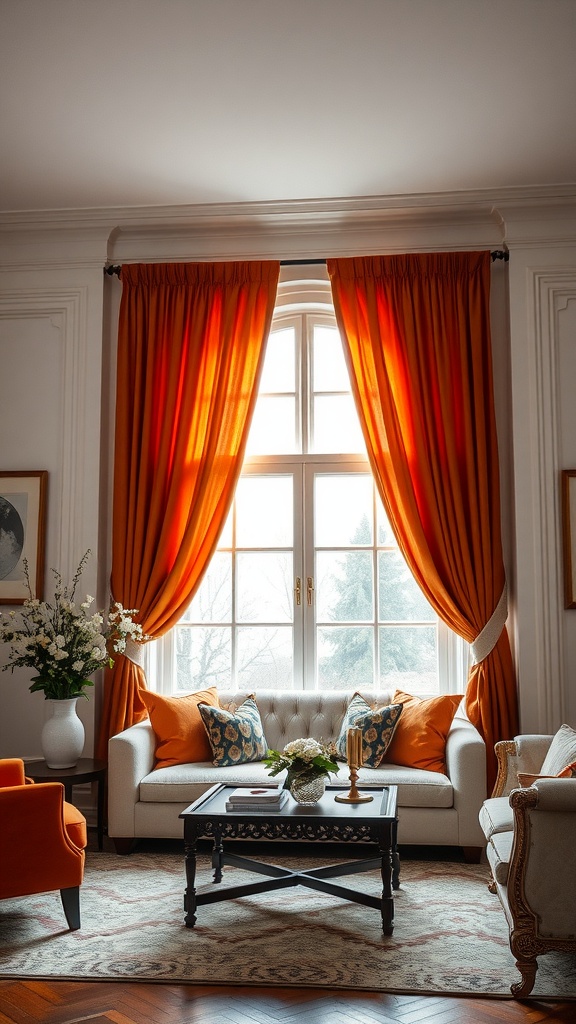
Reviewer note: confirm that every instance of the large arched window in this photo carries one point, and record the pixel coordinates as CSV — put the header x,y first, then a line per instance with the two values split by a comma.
x,y
308,588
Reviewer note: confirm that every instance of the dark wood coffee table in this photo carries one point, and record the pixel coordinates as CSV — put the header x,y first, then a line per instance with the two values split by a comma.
x,y
327,821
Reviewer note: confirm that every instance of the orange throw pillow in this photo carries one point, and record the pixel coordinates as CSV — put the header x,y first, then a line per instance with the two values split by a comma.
x,y
419,740
180,734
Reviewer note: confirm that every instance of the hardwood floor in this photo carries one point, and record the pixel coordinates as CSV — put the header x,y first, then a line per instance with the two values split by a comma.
x,y
140,1003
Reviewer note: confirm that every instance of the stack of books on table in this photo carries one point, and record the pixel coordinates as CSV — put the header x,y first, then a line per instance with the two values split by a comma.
x,y
257,798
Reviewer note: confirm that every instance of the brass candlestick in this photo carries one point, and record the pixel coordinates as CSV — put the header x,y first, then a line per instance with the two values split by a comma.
x,y
353,796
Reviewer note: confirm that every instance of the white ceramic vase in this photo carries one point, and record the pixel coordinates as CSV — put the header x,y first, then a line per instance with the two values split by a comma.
x,y
63,734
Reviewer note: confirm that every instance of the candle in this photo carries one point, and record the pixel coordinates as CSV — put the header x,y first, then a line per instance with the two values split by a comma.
x,y
359,750
350,746
354,747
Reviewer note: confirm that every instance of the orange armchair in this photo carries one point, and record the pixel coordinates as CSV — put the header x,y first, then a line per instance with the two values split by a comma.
x,y
42,840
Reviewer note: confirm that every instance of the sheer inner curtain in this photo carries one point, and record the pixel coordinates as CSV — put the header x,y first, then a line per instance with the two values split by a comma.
x,y
190,352
416,332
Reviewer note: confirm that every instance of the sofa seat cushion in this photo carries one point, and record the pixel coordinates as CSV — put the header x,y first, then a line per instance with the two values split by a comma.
x,y
496,815
170,785
498,852
416,788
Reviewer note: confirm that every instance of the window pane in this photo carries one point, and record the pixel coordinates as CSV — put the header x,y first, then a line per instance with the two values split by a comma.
x,y
265,658
203,657
336,425
264,512
225,539
384,530
344,586
329,370
279,370
409,658
213,600
264,587
345,657
273,430
343,509
400,597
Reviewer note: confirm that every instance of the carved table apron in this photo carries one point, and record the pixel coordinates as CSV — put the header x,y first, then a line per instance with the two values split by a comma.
x,y
327,821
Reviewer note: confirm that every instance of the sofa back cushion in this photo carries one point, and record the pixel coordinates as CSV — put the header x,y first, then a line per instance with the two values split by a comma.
x,y
293,714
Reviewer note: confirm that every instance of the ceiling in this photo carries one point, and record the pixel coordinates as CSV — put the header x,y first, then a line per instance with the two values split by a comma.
x,y
115,103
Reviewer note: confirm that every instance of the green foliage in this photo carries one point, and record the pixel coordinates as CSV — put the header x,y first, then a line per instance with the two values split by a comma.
x,y
305,759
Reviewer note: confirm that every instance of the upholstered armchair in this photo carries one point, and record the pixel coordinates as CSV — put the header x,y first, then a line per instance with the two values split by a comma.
x,y
530,827
42,840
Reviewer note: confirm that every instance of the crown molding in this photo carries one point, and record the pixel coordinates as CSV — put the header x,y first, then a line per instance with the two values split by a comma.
x,y
287,229
276,212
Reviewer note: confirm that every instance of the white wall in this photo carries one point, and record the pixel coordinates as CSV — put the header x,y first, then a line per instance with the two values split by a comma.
x,y
57,317
50,402
542,246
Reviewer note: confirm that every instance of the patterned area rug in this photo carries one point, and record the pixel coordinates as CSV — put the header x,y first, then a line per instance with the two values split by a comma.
x,y
449,933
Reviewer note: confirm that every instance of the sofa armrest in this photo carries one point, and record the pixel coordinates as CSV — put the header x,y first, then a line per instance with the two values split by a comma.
x,y
522,754
556,795
130,759
541,864
466,768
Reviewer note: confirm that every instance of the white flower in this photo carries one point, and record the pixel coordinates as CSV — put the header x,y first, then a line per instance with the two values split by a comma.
x,y
307,749
61,641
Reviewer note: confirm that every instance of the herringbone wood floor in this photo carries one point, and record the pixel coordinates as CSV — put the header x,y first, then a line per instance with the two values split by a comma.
x,y
140,1003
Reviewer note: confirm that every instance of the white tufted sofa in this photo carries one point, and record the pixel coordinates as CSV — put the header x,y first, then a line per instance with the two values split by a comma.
x,y
434,809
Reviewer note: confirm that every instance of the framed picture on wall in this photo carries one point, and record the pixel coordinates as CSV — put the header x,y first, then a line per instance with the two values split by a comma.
x,y
22,534
569,535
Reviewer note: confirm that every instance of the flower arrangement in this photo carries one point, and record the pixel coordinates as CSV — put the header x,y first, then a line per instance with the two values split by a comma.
x,y
62,641
304,759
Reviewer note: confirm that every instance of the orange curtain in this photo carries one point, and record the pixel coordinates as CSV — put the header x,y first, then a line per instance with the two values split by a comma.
x,y
190,352
416,332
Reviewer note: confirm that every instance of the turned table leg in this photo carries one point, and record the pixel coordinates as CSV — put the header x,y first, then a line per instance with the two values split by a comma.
x,y
387,898
190,894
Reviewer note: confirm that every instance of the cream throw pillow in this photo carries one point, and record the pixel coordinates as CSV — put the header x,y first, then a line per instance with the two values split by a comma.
x,y
562,751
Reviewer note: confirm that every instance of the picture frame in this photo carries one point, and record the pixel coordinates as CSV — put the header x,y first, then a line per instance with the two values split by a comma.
x,y
22,533
569,535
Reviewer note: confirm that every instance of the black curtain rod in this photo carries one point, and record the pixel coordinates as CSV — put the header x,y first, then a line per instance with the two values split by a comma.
x,y
498,254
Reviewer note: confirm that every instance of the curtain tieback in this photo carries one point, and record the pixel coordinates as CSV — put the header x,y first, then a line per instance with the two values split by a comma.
x,y
134,652
487,639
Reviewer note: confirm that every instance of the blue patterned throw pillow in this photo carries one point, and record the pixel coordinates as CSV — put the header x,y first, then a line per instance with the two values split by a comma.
x,y
235,737
377,724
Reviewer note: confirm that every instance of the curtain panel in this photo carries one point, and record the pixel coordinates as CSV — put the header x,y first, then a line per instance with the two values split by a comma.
x,y
191,344
416,334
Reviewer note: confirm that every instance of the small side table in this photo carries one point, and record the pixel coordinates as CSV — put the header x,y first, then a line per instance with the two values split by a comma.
x,y
87,770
